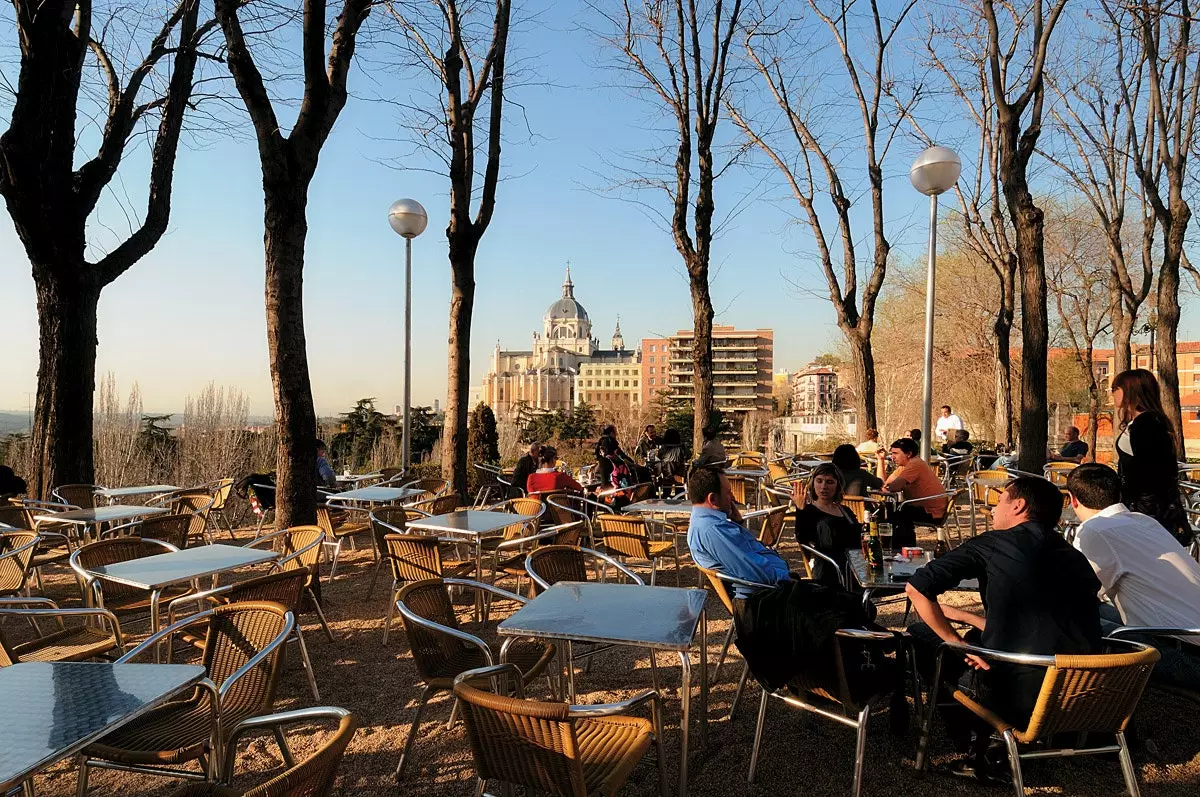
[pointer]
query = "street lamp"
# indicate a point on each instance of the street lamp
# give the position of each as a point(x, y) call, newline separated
point(409, 220)
point(934, 172)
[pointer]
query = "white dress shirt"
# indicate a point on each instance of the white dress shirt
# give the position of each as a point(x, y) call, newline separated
point(1146, 574)
point(946, 424)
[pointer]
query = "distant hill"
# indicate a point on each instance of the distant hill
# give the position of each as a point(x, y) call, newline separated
point(14, 422)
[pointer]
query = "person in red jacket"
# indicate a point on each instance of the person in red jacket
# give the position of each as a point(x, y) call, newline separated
point(547, 479)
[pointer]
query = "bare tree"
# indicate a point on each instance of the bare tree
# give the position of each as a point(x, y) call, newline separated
point(51, 201)
point(1080, 285)
point(986, 231)
point(1017, 47)
point(288, 165)
point(815, 169)
point(1093, 154)
point(679, 52)
point(1169, 93)
point(471, 71)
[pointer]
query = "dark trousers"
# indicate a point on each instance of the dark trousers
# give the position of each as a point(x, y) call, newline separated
point(904, 525)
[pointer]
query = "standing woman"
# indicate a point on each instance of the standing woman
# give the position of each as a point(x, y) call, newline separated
point(1145, 447)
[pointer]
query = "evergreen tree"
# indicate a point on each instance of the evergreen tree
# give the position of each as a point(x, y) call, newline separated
point(483, 442)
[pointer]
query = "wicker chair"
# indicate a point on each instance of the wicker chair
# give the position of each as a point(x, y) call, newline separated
point(1179, 638)
point(65, 643)
point(195, 504)
point(1057, 472)
point(748, 459)
point(387, 520)
point(857, 504)
point(771, 528)
point(285, 587)
point(81, 496)
point(431, 488)
point(175, 529)
point(17, 549)
point(1079, 695)
point(438, 505)
point(300, 549)
point(312, 777)
point(53, 547)
point(629, 537)
point(112, 595)
point(555, 748)
point(441, 650)
point(221, 490)
point(832, 695)
point(337, 531)
point(417, 557)
point(718, 582)
point(777, 471)
point(984, 488)
point(242, 656)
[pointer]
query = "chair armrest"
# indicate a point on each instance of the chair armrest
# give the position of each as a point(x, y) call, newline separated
point(276, 720)
point(860, 633)
point(482, 587)
point(1150, 630)
point(951, 494)
point(18, 602)
point(613, 709)
point(104, 615)
point(20, 549)
point(462, 636)
point(197, 598)
point(740, 581)
point(517, 542)
point(1031, 659)
point(151, 641)
point(115, 530)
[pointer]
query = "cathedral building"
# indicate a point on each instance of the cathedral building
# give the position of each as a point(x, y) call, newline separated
point(546, 375)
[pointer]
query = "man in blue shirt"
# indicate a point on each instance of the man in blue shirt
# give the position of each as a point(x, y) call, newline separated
point(325, 474)
point(718, 542)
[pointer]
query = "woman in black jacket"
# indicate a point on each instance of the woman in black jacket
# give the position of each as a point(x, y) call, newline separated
point(1146, 460)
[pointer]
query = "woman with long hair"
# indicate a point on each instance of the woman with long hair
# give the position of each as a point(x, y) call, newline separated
point(1145, 447)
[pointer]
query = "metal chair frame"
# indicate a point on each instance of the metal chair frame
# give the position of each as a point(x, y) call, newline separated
point(26, 607)
point(315, 568)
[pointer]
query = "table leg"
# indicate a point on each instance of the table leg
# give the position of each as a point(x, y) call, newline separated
point(570, 674)
point(703, 678)
point(154, 596)
point(479, 577)
point(685, 716)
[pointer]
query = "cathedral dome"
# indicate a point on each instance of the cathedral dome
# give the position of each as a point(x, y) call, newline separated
point(566, 308)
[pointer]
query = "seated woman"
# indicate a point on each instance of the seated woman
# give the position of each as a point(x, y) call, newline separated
point(856, 480)
point(547, 478)
point(822, 521)
point(672, 457)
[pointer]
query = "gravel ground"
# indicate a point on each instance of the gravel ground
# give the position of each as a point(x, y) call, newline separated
point(801, 753)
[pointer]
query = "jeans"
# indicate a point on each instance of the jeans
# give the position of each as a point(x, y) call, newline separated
point(1179, 666)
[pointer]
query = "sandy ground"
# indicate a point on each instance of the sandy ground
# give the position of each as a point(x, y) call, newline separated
point(801, 753)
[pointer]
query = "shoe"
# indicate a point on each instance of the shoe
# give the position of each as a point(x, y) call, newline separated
point(984, 773)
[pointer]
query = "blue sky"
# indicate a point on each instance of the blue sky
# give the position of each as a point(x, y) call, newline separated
point(192, 313)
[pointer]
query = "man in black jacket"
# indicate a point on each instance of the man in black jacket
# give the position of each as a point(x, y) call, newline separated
point(525, 466)
point(1039, 595)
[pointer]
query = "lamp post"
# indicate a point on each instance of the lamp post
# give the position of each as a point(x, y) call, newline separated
point(409, 220)
point(934, 172)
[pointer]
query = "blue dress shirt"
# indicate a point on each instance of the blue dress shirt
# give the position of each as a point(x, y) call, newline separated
point(717, 543)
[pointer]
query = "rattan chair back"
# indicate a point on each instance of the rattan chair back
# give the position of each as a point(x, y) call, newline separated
point(555, 563)
point(772, 526)
point(14, 567)
point(80, 495)
point(438, 505)
point(748, 459)
point(297, 538)
point(431, 488)
point(16, 516)
point(220, 491)
point(776, 471)
point(175, 529)
point(285, 587)
point(1057, 472)
point(235, 633)
point(857, 504)
point(719, 587)
point(435, 654)
point(524, 742)
point(983, 485)
point(625, 535)
point(737, 486)
point(413, 557)
point(395, 517)
point(112, 551)
point(1089, 694)
point(315, 775)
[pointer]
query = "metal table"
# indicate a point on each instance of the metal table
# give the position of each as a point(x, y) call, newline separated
point(655, 506)
point(113, 493)
point(660, 618)
point(54, 710)
point(101, 514)
point(750, 473)
point(156, 573)
point(473, 524)
point(376, 495)
point(873, 581)
point(352, 478)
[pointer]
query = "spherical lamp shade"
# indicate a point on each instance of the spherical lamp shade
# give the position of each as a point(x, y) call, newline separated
point(407, 218)
point(935, 170)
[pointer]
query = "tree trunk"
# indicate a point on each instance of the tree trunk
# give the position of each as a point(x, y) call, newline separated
point(62, 429)
point(862, 355)
point(702, 367)
point(1164, 353)
point(1122, 330)
point(1002, 423)
point(286, 199)
point(1028, 221)
point(462, 306)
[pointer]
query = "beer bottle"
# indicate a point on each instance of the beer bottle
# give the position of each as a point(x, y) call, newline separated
point(942, 546)
point(874, 546)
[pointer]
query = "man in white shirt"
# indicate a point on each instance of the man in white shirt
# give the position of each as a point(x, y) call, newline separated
point(949, 422)
point(1144, 572)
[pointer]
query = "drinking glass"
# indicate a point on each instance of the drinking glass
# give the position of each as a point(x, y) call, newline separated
point(885, 539)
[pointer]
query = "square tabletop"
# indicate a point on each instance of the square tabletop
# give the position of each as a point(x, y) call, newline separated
point(475, 522)
point(143, 489)
point(101, 514)
point(354, 478)
point(664, 618)
point(53, 710)
point(377, 495)
point(177, 567)
point(886, 579)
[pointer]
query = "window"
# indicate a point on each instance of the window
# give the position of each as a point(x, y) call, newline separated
point(626, 383)
point(608, 383)
point(635, 383)
point(652, 369)
point(653, 348)
point(652, 380)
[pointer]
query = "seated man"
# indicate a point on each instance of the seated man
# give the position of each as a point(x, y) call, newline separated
point(1145, 573)
point(916, 479)
point(325, 475)
point(1073, 450)
point(526, 465)
point(1040, 597)
point(958, 446)
point(718, 542)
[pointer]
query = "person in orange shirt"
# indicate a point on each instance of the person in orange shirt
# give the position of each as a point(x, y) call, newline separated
point(916, 479)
